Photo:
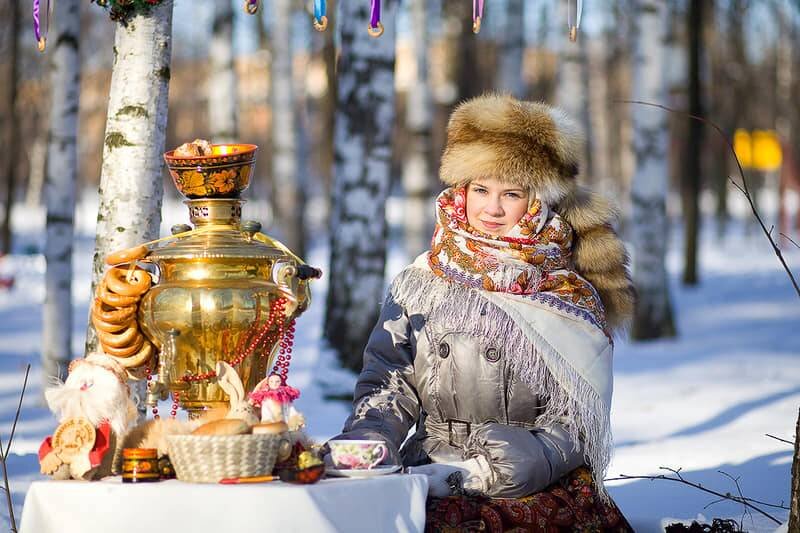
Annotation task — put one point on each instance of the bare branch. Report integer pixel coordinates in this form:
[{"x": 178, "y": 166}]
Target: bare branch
[
  {"x": 19, "y": 408},
  {"x": 789, "y": 239},
  {"x": 4, "y": 455},
  {"x": 743, "y": 188},
  {"x": 739, "y": 490},
  {"x": 747, "y": 502},
  {"x": 778, "y": 438}
]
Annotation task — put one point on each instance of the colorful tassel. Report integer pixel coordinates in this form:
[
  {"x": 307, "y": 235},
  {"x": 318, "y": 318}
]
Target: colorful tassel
[{"x": 375, "y": 28}]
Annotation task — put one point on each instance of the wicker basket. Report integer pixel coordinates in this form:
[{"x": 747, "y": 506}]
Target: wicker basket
[{"x": 210, "y": 458}]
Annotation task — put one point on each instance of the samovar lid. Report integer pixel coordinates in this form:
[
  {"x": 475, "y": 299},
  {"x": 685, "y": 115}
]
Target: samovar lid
[{"x": 218, "y": 233}]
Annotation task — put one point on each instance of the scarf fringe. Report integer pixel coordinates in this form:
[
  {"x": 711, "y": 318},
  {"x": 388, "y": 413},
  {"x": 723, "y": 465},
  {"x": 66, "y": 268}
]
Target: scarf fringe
[{"x": 570, "y": 400}]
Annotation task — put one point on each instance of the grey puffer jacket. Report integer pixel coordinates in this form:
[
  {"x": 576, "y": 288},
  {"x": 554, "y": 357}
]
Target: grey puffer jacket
[{"x": 464, "y": 400}]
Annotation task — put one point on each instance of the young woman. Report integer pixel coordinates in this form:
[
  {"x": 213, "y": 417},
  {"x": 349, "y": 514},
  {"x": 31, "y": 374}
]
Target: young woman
[{"x": 497, "y": 342}]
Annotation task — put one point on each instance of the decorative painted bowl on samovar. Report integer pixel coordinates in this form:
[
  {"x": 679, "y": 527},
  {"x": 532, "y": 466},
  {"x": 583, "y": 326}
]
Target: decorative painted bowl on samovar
[{"x": 223, "y": 291}]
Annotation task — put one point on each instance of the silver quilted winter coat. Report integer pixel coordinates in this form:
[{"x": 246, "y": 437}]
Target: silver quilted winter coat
[{"x": 461, "y": 395}]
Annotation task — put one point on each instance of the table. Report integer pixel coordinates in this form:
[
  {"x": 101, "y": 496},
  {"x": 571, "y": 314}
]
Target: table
[{"x": 387, "y": 503}]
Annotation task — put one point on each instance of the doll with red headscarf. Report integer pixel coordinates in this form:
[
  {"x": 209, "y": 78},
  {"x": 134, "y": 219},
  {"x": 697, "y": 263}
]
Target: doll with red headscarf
[{"x": 275, "y": 398}]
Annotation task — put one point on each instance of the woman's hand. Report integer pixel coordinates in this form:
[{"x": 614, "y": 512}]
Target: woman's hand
[{"x": 443, "y": 477}]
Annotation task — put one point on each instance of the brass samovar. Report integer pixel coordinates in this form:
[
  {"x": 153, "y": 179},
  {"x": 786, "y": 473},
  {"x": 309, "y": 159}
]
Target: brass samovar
[{"x": 223, "y": 291}]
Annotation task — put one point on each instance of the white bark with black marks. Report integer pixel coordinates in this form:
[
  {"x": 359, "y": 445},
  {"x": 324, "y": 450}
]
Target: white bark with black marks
[
  {"x": 649, "y": 223},
  {"x": 222, "y": 82},
  {"x": 60, "y": 185},
  {"x": 131, "y": 181},
  {"x": 418, "y": 179},
  {"x": 363, "y": 144},
  {"x": 573, "y": 85},
  {"x": 511, "y": 49},
  {"x": 286, "y": 183}
]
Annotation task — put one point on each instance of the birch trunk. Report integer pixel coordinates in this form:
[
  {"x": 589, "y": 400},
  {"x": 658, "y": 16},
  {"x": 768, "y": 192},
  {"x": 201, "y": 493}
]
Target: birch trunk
[
  {"x": 653, "y": 317},
  {"x": 131, "y": 185},
  {"x": 60, "y": 190},
  {"x": 418, "y": 180},
  {"x": 286, "y": 187},
  {"x": 363, "y": 146},
  {"x": 511, "y": 48},
  {"x": 573, "y": 83},
  {"x": 222, "y": 83}
]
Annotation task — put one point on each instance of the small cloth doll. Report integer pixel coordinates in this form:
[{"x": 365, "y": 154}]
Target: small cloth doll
[
  {"x": 275, "y": 398},
  {"x": 94, "y": 409}
]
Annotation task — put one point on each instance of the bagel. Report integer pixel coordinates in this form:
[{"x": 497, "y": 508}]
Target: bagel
[
  {"x": 120, "y": 340},
  {"x": 127, "y": 255},
  {"x": 114, "y": 300},
  {"x": 138, "y": 359},
  {"x": 108, "y": 327},
  {"x": 116, "y": 315},
  {"x": 126, "y": 351},
  {"x": 128, "y": 282}
]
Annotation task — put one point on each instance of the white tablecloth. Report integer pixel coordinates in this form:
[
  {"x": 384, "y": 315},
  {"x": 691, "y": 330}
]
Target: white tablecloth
[{"x": 387, "y": 503}]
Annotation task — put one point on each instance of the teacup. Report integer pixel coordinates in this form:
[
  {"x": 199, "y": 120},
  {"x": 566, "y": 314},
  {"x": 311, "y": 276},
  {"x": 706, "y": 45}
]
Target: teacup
[{"x": 357, "y": 454}]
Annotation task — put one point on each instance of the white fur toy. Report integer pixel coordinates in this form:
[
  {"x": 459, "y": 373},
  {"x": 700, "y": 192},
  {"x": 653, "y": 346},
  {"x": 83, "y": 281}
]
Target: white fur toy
[
  {"x": 94, "y": 409},
  {"x": 231, "y": 383}
]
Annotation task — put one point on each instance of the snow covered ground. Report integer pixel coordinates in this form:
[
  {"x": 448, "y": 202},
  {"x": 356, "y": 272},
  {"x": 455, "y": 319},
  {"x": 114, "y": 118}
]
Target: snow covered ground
[{"x": 702, "y": 402}]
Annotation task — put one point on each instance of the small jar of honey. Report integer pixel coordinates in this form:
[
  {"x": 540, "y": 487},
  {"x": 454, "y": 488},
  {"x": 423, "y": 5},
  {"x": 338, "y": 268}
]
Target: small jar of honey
[{"x": 140, "y": 465}]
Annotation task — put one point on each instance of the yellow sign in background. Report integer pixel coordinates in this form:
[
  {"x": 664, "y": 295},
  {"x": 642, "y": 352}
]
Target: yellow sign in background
[{"x": 759, "y": 149}]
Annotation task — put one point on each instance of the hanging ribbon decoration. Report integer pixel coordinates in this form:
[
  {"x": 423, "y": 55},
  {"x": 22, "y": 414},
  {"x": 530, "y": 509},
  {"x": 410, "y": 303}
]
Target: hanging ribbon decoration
[
  {"x": 41, "y": 36},
  {"x": 477, "y": 15},
  {"x": 251, "y": 6},
  {"x": 320, "y": 20},
  {"x": 375, "y": 28},
  {"x": 574, "y": 18}
]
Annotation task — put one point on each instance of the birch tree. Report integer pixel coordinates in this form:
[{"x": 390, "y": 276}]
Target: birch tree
[
  {"x": 285, "y": 179},
  {"x": 418, "y": 178},
  {"x": 222, "y": 82},
  {"x": 573, "y": 81},
  {"x": 363, "y": 135},
  {"x": 131, "y": 186},
  {"x": 511, "y": 49},
  {"x": 60, "y": 190},
  {"x": 653, "y": 317}
]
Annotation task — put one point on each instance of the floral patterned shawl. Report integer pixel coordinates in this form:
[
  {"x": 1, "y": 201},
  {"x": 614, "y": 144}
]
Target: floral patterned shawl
[{"x": 534, "y": 259}]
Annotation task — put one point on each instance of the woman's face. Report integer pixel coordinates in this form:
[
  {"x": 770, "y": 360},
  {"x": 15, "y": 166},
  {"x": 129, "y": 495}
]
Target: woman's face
[{"x": 494, "y": 207}]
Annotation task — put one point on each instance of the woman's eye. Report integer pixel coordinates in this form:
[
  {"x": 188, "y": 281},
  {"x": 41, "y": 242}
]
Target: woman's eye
[{"x": 514, "y": 195}]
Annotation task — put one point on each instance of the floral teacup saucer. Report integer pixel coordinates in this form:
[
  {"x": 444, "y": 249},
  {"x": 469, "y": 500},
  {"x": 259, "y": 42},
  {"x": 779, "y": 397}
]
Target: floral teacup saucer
[{"x": 381, "y": 470}]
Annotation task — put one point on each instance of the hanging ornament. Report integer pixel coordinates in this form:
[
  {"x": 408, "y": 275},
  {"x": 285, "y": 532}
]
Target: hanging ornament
[
  {"x": 320, "y": 20},
  {"x": 375, "y": 28},
  {"x": 574, "y": 10},
  {"x": 477, "y": 15},
  {"x": 251, "y": 6},
  {"x": 39, "y": 32}
]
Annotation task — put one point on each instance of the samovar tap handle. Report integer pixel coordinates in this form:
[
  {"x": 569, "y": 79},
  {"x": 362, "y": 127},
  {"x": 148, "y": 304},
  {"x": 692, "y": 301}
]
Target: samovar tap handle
[{"x": 305, "y": 272}]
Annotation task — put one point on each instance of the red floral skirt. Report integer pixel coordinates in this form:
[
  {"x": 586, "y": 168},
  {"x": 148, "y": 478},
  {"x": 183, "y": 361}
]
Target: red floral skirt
[{"x": 570, "y": 504}]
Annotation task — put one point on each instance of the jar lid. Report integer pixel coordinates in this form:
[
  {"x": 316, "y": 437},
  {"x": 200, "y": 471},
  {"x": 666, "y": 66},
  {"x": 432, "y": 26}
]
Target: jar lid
[{"x": 139, "y": 453}]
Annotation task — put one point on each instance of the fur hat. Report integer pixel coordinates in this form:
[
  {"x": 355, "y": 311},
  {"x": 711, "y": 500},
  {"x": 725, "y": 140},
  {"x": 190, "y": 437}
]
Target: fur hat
[
  {"x": 537, "y": 147},
  {"x": 529, "y": 144}
]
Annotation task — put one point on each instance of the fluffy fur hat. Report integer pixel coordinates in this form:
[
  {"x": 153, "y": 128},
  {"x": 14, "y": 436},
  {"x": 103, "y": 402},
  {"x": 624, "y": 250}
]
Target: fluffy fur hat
[
  {"x": 537, "y": 147},
  {"x": 529, "y": 144}
]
